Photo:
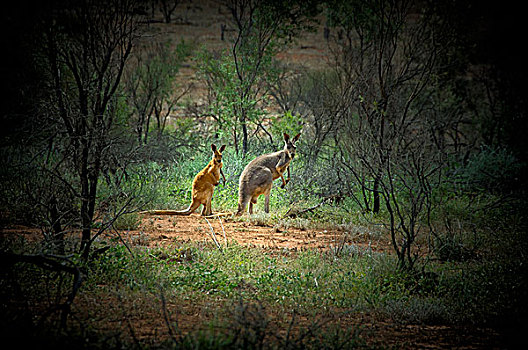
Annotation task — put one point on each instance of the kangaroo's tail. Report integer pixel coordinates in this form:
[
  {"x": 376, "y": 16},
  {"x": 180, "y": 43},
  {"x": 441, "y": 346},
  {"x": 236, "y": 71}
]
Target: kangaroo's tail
[{"x": 192, "y": 207}]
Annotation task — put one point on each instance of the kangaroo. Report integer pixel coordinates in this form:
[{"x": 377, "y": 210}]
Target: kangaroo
[
  {"x": 257, "y": 177},
  {"x": 202, "y": 186}
]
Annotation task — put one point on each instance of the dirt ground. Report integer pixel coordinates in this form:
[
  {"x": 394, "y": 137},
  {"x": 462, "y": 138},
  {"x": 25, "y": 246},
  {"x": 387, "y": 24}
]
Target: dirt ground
[
  {"x": 161, "y": 230},
  {"x": 201, "y": 22},
  {"x": 164, "y": 230},
  {"x": 145, "y": 315}
]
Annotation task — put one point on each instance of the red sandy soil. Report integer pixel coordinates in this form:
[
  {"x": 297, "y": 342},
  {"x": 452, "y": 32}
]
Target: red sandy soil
[
  {"x": 201, "y": 24},
  {"x": 144, "y": 313},
  {"x": 164, "y": 229}
]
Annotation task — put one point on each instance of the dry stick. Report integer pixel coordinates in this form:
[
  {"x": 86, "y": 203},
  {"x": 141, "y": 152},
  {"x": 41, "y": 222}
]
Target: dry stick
[
  {"x": 213, "y": 236},
  {"x": 123, "y": 241},
  {"x": 289, "y": 213},
  {"x": 159, "y": 212},
  {"x": 223, "y": 231},
  {"x": 220, "y": 214},
  {"x": 129, "y": 324},
  {"x": 173, "y": 331},
  {"x": 290, "y": 327},
  {"x": 171, "y": 212}
]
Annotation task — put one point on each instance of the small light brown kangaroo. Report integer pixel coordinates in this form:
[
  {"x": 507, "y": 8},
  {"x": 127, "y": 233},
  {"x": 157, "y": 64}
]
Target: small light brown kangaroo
[
  {"x": 202, "y": 186},
  {"x": 257, "y": 177}
]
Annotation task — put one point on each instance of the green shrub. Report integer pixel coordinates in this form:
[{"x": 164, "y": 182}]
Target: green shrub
[{"x": 491, "y": 169}]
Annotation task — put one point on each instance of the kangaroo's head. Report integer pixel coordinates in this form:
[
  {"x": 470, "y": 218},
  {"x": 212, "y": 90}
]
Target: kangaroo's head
[
  {"x": 217, "y": 154},
  {"x": 289, "y": 144}
]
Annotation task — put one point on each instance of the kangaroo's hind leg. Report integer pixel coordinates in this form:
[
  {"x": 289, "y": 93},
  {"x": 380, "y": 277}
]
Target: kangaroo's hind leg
[
  {"x": 206, "y": 198},
  {"x": 266, "y": 199},
  {"x": 253, "y": 201},
  {"x": 192, "y": 207},
  {"x": 242, "y": 204},
  {"x": 207, "y": 210}
]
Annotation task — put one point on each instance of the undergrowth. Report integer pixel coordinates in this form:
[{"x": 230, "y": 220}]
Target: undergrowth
[
  {"x": 257, "y": 285},
  {"x": 471, "y": 274},
  {"x": 169, "y": 186}
]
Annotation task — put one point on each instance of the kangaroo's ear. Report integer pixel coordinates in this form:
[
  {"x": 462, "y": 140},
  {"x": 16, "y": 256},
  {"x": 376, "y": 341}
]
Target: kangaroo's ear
[
  {"x": 286, "y": 137},
  {"x": 296, "y": 137},
  {"x": 222, "y": 148},
  {"x": 213, "y": 147}
]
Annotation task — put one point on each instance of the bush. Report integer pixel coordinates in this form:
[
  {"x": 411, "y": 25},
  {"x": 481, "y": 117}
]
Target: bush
[{"x": 491, "y": 169}]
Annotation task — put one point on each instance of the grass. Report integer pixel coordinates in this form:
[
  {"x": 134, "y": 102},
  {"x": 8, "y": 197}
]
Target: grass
[
  {"x": 462, "y": 236},
  {"x": 245, "y": 279},
  {"x": 472, "y": 276},
  {"x": 246, "y": 289},
  {"x": 306, "y": 281}
]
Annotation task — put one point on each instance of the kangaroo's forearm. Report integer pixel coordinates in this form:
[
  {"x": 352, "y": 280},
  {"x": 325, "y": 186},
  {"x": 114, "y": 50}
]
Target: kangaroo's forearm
[{"x": 283, "y": 181}]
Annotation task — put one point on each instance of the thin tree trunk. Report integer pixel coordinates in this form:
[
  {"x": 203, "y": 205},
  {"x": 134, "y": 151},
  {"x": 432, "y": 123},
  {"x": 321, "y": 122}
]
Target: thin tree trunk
[
  {"x": 376, "y": 193},
  {"x": 56, "y": 227}
]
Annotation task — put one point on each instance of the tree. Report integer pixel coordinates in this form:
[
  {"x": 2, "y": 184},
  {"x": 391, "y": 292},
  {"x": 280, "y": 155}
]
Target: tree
[
  {"x": 260, "y": 27},
  {"x": 388, "y": 63},
  {"x": 167, "y": 8},
  {"x": 150, "y": 85},
  {"x": 85, "y": 46}
]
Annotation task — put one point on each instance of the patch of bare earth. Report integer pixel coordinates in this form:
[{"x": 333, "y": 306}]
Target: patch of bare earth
[
  {"x": 145, "y": 319},
  {"x": 149, "y": 318},
  {"x": 166, "y": 229}
]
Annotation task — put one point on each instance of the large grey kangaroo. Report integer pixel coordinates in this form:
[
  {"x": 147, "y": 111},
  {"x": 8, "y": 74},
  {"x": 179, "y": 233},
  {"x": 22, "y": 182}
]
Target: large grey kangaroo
[{"x": 257, "y": 177}]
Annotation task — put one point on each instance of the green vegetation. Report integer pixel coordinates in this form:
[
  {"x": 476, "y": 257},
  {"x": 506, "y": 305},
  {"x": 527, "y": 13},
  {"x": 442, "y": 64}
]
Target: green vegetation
[
  {"x": 480, "y": 288},
  {"x": 408, "y": 136}
]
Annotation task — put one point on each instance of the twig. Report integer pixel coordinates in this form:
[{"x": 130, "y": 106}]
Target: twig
[
  {"x": 213, "y": 236},
  {"x": 52, "y": 263},
  {"x": 220, "y": 214},
  {"x": 129, "y": 324},
  {"x": 223, "y": 231},
  {"x": 173, "y": 331},
  {"x": 289, "y": 213},
  {"x": 123, "y": 241},
  {"x": 295, "y": 214}
]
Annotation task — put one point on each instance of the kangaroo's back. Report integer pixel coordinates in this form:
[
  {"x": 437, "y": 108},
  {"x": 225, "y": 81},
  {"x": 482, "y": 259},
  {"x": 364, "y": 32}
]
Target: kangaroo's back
[{"x": 265, "y": 161}]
